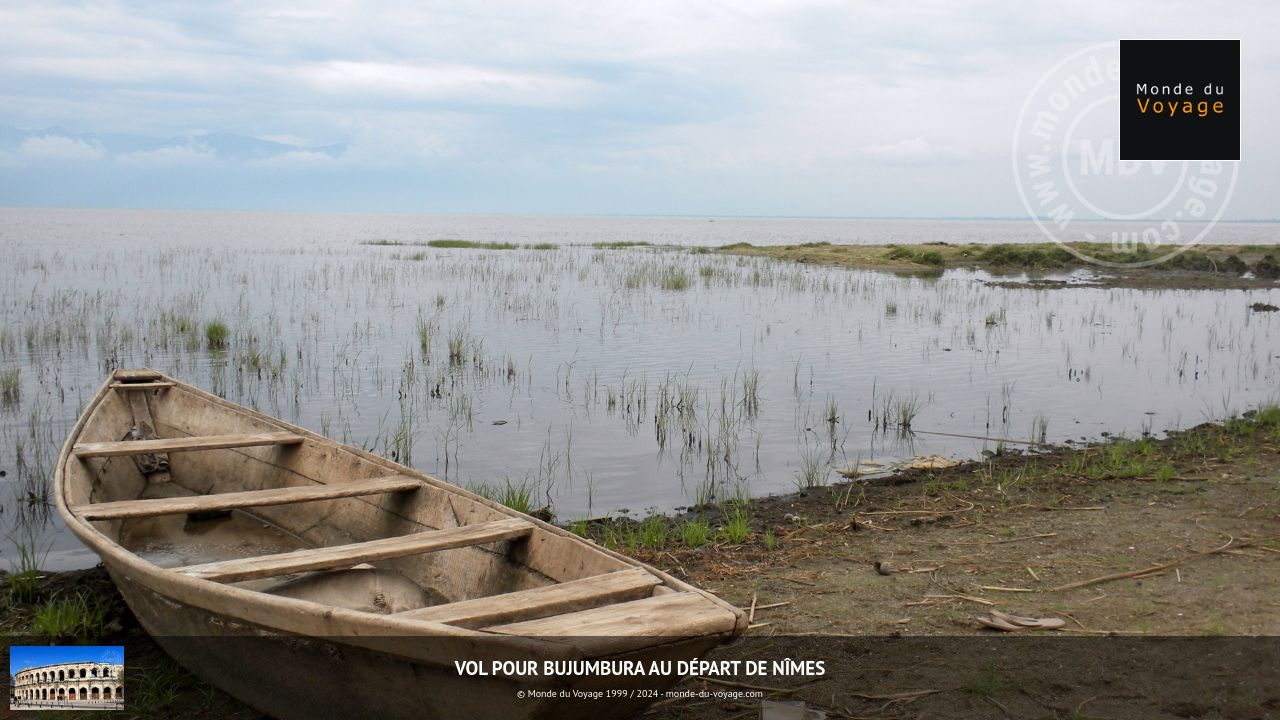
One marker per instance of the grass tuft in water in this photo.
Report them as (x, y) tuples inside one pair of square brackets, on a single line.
[(471, 244), (813, 470), (674, 278), (216, 335), (620, 244), (10, 388)]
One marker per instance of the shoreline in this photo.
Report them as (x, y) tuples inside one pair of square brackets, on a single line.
[(1131, 537), (1201, 267)]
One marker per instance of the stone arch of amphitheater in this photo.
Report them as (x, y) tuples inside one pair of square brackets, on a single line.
[(70, 682)]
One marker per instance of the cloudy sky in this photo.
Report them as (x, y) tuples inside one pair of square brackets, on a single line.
[(752, 107)]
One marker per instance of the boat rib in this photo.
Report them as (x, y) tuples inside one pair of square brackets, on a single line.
[(340, 556)]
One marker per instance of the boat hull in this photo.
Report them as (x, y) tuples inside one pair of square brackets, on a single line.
[(293, 677), (297, 654)]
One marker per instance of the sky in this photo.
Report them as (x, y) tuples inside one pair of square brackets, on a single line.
[(752, 107), (22, 657)]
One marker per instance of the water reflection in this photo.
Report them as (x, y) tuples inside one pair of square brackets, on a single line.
[(594, 379)]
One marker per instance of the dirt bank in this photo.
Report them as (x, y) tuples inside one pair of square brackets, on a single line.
[(1130, 539)]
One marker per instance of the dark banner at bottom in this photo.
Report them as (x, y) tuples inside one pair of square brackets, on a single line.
[(774, 678)]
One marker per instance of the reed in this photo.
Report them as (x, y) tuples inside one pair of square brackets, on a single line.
[(10, 388)]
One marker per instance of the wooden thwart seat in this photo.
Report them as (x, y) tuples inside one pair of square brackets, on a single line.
[(617, 627), (248, 498), (540, 602), (142, 385), (341, 556), (185, 444)]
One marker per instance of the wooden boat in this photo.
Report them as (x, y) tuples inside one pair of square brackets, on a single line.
[(312, 579)]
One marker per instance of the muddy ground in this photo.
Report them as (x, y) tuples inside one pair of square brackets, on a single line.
[(1177, 537)]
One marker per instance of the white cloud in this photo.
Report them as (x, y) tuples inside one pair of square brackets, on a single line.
[(169, 157), (60, 147), (309, 159), (424, 82), (791, 91), (910, 151), (284, 139)]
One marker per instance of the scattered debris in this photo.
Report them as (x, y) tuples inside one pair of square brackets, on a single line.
[(1148, 570), (1013, 623), (932, 462)]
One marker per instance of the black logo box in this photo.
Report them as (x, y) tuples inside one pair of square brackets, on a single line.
[(1160, 77)]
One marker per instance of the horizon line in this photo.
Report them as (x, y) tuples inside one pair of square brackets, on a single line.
[(683, 216)]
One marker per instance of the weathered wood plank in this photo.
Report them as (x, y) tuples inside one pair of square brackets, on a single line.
[(540, 602), (250, 498), (186, 444), (340, 556), (127, 375), (685, 614), (142, 385)]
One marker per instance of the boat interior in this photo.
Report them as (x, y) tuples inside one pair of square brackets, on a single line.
[(202, 487)]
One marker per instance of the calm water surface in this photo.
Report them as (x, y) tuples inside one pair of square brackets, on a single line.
[(604, 380)]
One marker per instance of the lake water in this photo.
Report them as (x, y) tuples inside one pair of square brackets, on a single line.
[(604, 380)]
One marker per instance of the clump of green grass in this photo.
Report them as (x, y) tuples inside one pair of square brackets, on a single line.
[(543, 246), (1033, 257), (1267, 267), (81, 618), (1265, 417), (906, 409), (622, 535), (157, 690), (580, 527), (23, 586), (425, 330), (813, 471), (457, 347), (674, 278), (932, 258), (216, 335), (694, 532), (179, 324), (10, 387), (736, 246), (737, 524), (517, 496), (1122, 459), (770, 539), (620, 244), (471, 244), (653, 532)]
